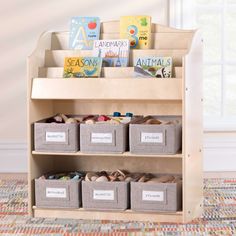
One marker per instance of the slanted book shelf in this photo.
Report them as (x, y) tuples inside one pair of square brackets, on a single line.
[(49, 94)]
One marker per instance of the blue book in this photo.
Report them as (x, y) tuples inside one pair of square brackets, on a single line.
[(83, 31)]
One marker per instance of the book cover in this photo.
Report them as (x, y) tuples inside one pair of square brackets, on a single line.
[(83, 31), (77, 67), (137, 29), (115, 53), (159, 67)]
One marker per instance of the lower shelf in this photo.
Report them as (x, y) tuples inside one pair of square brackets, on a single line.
[(127, 215), (125, 154)]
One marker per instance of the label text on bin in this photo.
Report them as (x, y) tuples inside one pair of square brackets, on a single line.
[(152, 137), (101, 138), (103, 195), (56, 137), (157, 196), (56, 192)]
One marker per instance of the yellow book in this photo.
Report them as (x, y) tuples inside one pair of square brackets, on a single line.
[(137, 29), (77, 67)]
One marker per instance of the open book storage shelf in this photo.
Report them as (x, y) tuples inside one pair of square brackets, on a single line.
[(49, 94)]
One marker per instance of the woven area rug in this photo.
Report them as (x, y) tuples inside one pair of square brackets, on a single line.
[(219, 216)]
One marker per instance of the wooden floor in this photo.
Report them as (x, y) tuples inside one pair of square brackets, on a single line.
[(228, 174)]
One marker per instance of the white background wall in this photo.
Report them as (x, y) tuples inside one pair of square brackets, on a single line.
[(22, 21)]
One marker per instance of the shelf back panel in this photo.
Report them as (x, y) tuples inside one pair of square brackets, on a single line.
[(132, 164), (162, 37), (108, 107)]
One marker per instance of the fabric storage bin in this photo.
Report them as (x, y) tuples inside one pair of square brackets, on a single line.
[(105, 195), (156, 139), (156, 196), (58, 193), (103, 138), (54, 137)]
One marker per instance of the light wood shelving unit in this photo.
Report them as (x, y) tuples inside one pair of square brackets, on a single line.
[(49, 94)]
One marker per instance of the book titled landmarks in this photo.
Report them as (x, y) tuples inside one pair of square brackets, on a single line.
[(115, 53), (77, 67), (83, 31), (137, 29), (159, 67)]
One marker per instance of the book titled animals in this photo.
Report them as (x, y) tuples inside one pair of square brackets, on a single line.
[(115, 53), (159, 67), (77, 67), (83, 31), (137, 29)]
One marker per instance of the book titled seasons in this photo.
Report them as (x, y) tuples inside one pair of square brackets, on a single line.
[(77, 67), (137, 29)]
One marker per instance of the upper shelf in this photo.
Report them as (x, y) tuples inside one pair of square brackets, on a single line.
[(162, 37), (107, 89)]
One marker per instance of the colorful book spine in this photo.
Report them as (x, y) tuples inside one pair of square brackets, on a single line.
[(115, 53), (137, 29), (159, 67), (77, 67), (83, 31)]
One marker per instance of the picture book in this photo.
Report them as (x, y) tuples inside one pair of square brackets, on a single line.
[(83, 31), (159, 67), (115, 53), (137, 29), (77, 67)]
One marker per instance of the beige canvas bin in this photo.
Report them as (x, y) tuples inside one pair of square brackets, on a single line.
[(58, 193), (105, 195), (156, 139), (103, 138), (155, 197), (54, 137)]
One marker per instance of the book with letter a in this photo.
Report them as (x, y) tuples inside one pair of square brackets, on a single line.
[(83, 31)]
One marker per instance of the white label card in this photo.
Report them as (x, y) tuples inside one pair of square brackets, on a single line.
[(56, 137), (152, 137), (101, 138), (56, 192), (157, 196), (103, 195)]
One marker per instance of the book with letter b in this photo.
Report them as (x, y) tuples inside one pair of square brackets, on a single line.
[(137, 29), (77, 67), (159, 67), (83, 31), (115, 53)]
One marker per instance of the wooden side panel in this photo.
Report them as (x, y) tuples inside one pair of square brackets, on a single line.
[(193, 131), (36, 110)]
